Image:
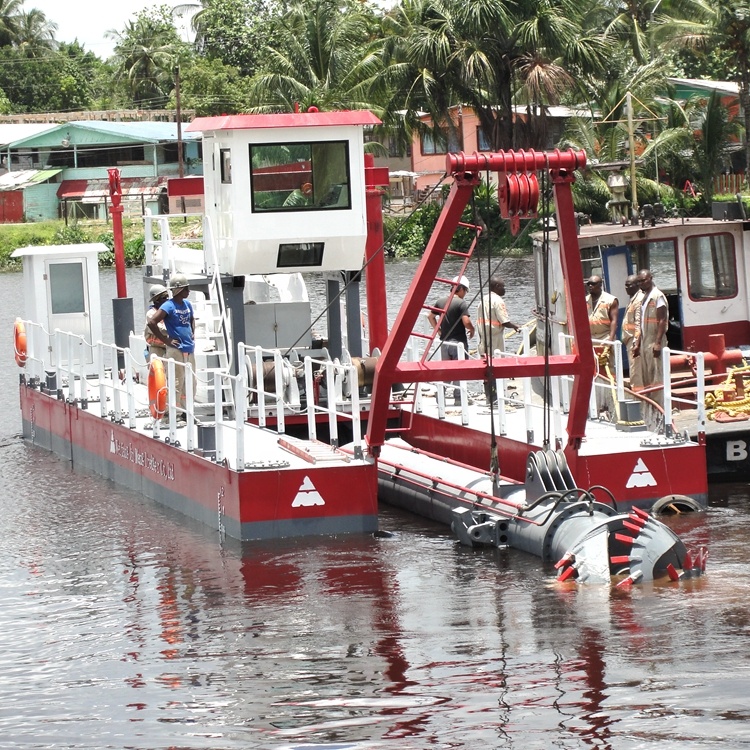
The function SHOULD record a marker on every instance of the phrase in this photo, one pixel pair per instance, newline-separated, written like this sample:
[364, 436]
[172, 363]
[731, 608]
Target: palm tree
[322, 57]
[491, 55]
[146, 53]
[193, 12]
[35, 34]
[722, 25]
[10, 16]
[705, 133]
[628, 21]
[603, 132]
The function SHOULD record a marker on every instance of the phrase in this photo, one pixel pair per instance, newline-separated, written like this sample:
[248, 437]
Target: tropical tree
[323, 55]
[211, 88]
[10, 17]
[232, 31]
[604, 131]
[146, 53]
[723, 25]
[491, 55]
[699, 142]
[628, 22]
[35, 34]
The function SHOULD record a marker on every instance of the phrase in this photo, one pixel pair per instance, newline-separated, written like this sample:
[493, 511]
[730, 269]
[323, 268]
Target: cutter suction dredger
[548, 516]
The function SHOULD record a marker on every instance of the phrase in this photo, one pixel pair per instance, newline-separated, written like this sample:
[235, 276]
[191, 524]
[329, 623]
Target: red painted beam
[476, 369]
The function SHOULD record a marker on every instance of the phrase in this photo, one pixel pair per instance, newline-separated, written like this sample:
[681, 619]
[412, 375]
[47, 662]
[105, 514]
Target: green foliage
[73, 234]
[321, 55]
[13, 236]
[146, 53]
[407, 237]
[211, 88]
[233, 32]
[134, 250]
[31, 84]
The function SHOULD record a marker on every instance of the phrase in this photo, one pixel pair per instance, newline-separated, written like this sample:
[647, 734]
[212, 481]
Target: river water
[122, 626]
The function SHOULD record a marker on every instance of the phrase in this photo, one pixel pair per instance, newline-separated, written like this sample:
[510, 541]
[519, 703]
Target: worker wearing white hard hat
[456, 327]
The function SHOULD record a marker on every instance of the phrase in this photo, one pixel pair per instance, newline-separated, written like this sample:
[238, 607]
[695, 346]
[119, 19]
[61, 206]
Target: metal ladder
[430, 350]
[218, 324]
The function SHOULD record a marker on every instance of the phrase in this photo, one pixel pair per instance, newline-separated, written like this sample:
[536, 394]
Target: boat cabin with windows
[286, 193]
[699, 264]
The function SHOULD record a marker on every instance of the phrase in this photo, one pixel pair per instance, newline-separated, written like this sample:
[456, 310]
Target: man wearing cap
[158, 295]
[455, 325]
[178, 317]
[492, 320]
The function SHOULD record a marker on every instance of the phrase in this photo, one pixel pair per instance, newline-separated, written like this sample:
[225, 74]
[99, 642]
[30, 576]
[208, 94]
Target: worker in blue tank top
[179, 320]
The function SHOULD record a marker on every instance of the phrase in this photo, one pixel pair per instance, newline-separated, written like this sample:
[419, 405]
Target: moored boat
[311, 196]
[701, 266]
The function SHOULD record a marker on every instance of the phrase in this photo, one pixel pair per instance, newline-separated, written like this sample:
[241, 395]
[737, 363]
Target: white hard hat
[156, 290]
[461, 281]
[178, 281]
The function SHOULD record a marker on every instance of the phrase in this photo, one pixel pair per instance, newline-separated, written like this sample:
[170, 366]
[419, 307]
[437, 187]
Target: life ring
[19, 342]
[157, 389]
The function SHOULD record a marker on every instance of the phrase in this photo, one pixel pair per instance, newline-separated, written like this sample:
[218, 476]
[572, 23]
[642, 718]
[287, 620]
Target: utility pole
[631, 143]
[180, 161]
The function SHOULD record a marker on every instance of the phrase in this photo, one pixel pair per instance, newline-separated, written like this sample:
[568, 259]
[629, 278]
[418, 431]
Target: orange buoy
[19, 342]
[157, 389]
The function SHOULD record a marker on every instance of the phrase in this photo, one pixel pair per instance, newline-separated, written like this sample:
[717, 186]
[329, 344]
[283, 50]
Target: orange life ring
[19, 342]
[157, 389]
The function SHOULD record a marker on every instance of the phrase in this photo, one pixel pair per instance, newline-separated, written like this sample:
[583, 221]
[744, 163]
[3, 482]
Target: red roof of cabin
[286, 120]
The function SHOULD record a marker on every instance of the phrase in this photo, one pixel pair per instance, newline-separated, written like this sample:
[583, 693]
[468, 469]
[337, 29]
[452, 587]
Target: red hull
[633, 478]
[254, 504]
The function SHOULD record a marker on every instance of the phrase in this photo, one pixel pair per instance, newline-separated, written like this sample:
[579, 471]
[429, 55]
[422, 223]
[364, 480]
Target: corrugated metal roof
[145, 131]
[94, 191]
[25, 177]
[86, 132]
[19, 131]
[284, 120]
[726, 87]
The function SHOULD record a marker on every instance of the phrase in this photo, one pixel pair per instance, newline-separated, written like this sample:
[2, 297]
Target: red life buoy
[19, 342]
[157, 389]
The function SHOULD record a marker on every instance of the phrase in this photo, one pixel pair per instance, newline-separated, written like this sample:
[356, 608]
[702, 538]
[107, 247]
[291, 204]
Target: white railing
[337, 379]
[669, 399]
[237, 425]
[176, 256]
[270, 403]
[699, 403]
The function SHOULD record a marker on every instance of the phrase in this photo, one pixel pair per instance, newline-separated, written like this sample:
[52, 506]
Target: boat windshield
[299, 176]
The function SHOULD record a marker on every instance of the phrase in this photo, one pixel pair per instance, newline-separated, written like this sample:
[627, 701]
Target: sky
[88, 20]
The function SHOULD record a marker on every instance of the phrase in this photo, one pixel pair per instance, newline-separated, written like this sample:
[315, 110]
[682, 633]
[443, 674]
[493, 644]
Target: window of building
[300, 176]
[712, 267]
[434, 143]
[484, 143]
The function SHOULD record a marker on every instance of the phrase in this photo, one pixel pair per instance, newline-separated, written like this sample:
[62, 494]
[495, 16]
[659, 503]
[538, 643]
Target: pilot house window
[300, 176]
[712, 270]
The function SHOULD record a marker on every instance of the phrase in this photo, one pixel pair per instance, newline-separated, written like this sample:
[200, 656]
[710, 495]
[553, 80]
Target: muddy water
[122, 626]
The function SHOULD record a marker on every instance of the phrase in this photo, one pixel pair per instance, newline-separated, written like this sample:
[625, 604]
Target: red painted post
[377, 307]
[115, 192]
